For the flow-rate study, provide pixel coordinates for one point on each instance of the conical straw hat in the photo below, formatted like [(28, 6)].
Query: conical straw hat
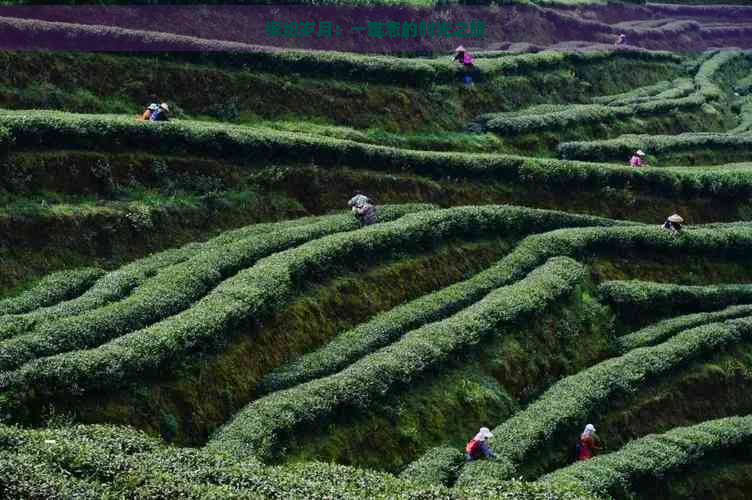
[(676, 218)]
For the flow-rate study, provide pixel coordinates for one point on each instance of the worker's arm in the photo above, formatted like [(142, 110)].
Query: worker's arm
[(597, 442)]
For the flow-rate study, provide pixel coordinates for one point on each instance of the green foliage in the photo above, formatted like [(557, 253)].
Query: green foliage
[(573, 115), (744, 86), (655, 455), (726, 240), (709, 75), (487, 471), (623, 107), (657, 146), (94, 462), (259, 429), (77, 334), (661, 331), (647, 92), (167, 294), (340, 65), (6, 140), (641, 298), (54, 288), (745, 115), (118, 284), (641, 102), (440, 466), (386, 327), (62, 130), (409, 71), (567, 405)]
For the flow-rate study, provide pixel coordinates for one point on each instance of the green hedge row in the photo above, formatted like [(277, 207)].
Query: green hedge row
[(657, 145), (707, 77), (579, 114), (407, 71), (35, 130), (95, 462), (729, 240), (569, 403), (441, 467), (673, 99), (118, 284), (252, 293), (259, 429), (638, 298), (382, 330), (648, 91), (681, 87), (168, 293), (655, 455), (662, 330), (745, 118), (744, 86), (109, 288), (54, 288)]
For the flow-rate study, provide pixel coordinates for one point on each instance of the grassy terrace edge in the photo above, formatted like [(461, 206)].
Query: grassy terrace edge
[(259, 428), (33, 130), (655, 455)]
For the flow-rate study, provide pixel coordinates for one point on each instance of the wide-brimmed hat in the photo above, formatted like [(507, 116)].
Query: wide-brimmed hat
[(153, 106), (640, 152), (461, 48), (164, 106), (676, 218), (484, 433)]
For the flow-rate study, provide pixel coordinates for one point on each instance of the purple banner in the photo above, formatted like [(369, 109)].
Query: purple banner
[(372, 29)]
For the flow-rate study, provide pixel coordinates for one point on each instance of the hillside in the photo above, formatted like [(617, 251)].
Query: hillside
[(188, 309)]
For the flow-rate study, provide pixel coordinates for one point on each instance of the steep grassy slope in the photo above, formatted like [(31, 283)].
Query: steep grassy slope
[(104, 202), (120, 191), (84, 83), (270, 342)]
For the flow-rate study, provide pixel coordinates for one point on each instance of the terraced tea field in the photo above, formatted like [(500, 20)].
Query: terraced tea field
[(189, 310)]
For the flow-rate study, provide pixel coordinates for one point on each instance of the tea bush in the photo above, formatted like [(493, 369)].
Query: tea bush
[(657, 145), (572, 400), (258, 429), (672, 99), (635, 298), (661, 331), (440, 467), (166, 294), (94, 462), (388, 326), (118, 284), (586, 113), (655, 455), (52, 289), (34, 130)]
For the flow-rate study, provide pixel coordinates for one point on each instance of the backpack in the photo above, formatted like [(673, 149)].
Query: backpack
[(473, 447), (577, 451)]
